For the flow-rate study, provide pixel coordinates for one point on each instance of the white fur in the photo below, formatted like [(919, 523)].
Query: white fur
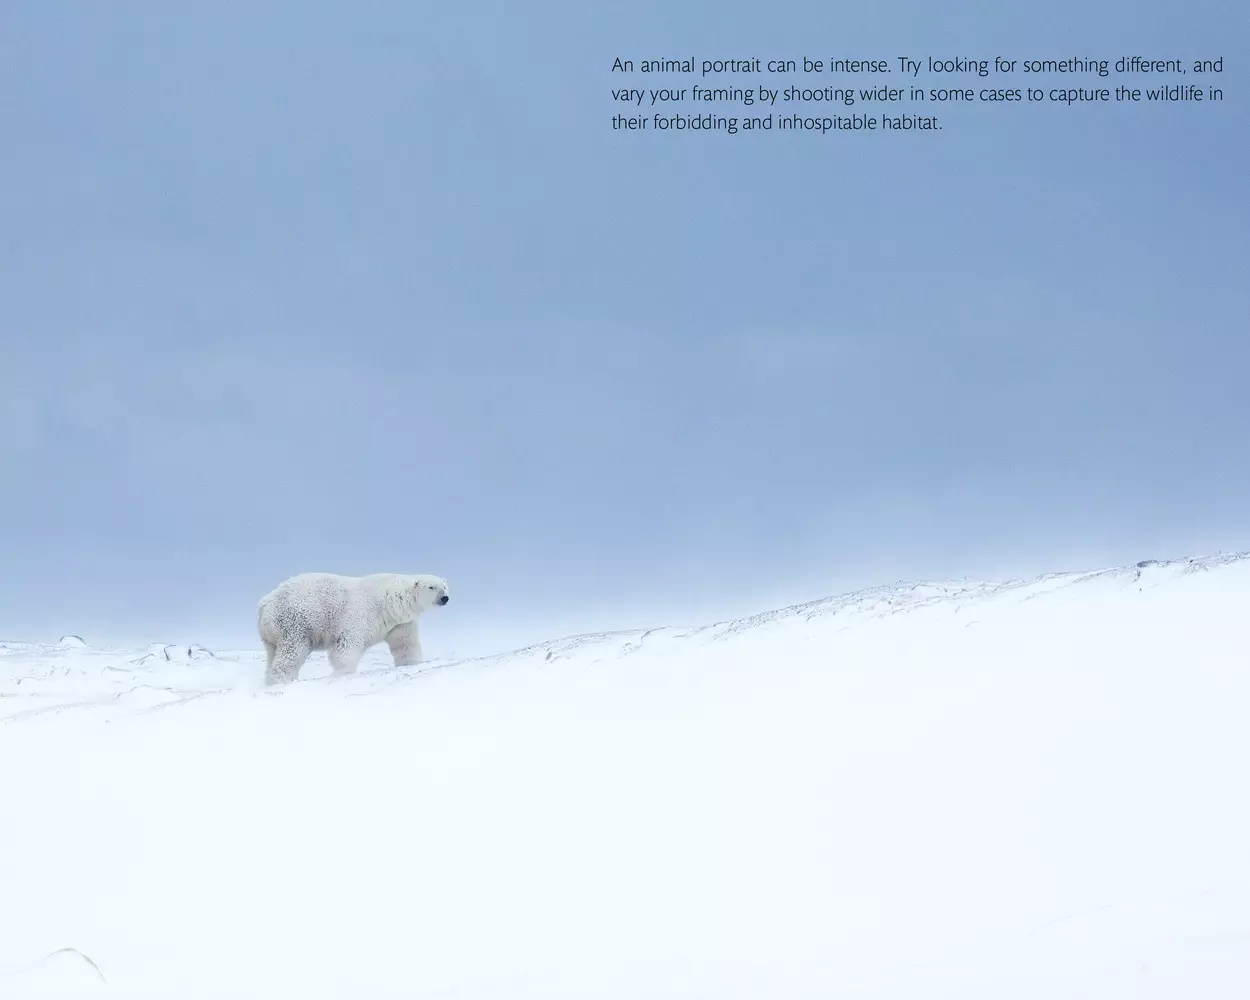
[(343, 615)]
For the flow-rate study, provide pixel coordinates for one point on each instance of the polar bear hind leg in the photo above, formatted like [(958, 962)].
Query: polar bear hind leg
[(287, 659), (405, 644), (344, 658)]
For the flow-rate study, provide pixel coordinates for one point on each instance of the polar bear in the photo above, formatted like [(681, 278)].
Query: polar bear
[(343, 615)]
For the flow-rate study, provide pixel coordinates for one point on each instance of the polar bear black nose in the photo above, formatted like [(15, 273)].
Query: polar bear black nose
[(444, 599)]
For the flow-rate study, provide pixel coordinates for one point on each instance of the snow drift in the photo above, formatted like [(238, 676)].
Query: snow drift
[(1028, 789)]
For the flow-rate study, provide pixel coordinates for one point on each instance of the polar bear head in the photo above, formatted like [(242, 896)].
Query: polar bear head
[(429, 591)]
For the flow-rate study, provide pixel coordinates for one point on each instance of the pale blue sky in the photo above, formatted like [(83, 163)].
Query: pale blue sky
[(364, 286)]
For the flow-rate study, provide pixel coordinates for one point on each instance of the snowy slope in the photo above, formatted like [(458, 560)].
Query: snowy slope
[(1029, 790)]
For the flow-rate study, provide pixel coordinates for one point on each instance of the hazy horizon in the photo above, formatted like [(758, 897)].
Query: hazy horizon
[(361, 290)]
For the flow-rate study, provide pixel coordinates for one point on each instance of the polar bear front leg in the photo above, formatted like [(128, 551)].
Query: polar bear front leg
[(405, 644)]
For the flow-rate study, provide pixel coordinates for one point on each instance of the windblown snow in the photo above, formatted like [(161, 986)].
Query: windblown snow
[(1030, 789)]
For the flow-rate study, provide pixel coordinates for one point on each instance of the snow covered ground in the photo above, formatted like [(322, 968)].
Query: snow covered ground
[(1026, 790)]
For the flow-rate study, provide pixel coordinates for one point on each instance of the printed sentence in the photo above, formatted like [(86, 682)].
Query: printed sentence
[(848, 95)]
